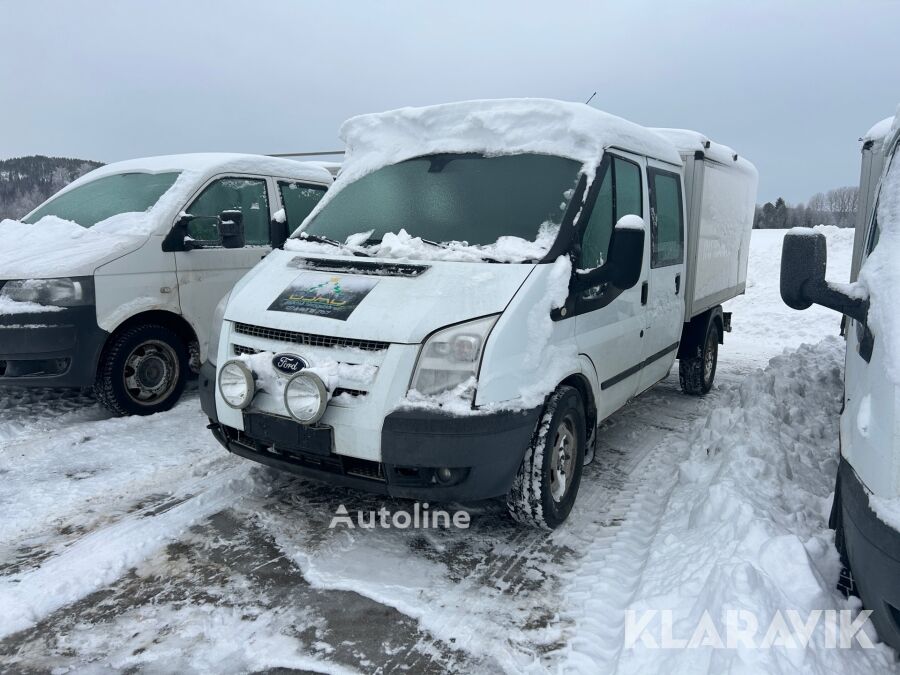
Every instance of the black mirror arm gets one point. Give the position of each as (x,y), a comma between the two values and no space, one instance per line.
(822,293)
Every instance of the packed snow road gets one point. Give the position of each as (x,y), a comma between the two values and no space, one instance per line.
(139,544)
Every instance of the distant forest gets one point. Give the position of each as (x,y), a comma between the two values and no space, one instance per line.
(25,182)
(835,207)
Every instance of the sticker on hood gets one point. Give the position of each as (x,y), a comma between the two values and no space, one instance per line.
(334,296)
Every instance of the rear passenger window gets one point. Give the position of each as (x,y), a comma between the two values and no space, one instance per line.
(666,220)
(620,195)
(298,201)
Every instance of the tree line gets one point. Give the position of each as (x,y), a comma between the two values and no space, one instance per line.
(835,207)
(25,182)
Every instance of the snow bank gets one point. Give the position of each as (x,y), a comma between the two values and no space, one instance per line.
(880,274)
(743,526)
(53,247)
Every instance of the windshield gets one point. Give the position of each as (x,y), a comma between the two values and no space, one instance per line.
(453,198)
(100,199)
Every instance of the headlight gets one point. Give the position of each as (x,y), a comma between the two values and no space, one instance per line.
(62,292)
(305,397)
(215,330)
(236,384)
(451,356)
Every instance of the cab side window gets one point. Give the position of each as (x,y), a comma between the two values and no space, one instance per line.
(666,218)
(298,200)
(620,195)
(247,195)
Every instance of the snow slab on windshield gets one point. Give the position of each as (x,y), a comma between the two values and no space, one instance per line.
(490,127)
(880,274)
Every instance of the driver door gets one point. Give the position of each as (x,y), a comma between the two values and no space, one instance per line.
(611,334)
(208,272)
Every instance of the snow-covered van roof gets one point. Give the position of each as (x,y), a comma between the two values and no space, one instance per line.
(879,130)
(495,127)
(212,163)
(689,142)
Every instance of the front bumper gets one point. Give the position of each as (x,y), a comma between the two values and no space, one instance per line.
(425,455)
(51,349)
(872,548)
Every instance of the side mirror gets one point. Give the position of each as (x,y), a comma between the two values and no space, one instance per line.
(178,239)
(231,228)
(804,257)
(278,229)
(625,262)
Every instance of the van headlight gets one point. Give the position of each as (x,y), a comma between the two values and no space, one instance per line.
(236,384)
(61,292)
(451,356)
(215,329)
(305,397)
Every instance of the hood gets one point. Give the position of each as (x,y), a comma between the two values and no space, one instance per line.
(53,247)
(371,298)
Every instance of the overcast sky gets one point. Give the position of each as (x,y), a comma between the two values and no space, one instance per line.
(790,85)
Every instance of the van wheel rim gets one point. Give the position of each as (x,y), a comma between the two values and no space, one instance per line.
(562,458)
(151,372)
(709,357)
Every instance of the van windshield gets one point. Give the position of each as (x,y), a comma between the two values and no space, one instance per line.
(105,197)
(453,198)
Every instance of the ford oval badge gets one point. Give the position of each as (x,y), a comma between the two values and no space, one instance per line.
(288,363)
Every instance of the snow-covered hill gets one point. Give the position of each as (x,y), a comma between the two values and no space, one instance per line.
(140,544)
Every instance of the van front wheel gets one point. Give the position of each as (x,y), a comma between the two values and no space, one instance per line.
(546,485)
(143,371)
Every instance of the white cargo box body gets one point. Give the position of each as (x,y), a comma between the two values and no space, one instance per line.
(720,200)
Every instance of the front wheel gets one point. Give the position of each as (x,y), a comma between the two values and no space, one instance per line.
(143,371)
(696,374)
(546,485)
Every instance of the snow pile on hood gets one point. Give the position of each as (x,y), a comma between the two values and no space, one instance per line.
(404,246)
(880,274)
(744,528)
(53,247)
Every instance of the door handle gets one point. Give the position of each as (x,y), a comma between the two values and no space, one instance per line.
(677,283)
(645,288)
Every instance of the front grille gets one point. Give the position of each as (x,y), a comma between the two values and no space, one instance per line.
(308,339)
(240,350)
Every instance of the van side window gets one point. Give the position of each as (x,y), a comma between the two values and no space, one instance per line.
(595,243)
(247,195)
(666,219)
(298,201)
(620,195)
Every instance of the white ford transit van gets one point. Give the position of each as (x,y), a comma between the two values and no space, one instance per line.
(112,282)
(866,508)
(484,284)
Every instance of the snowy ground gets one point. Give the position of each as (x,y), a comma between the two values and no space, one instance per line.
(140,545)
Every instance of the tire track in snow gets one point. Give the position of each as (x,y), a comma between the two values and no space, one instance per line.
(618,542)
(96,560)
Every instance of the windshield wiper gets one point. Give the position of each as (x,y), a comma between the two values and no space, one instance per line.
(319,239)
(438,244)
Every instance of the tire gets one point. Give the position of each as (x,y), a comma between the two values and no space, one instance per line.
(142,371)
(538,496)
(697,373)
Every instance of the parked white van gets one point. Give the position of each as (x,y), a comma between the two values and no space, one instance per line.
(866,509)
(485,283)
(112,282)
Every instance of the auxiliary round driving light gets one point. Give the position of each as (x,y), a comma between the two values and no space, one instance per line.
(236,384)
(305,397)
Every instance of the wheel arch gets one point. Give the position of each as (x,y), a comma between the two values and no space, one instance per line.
(693,333)
(174,322)
(581,384)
